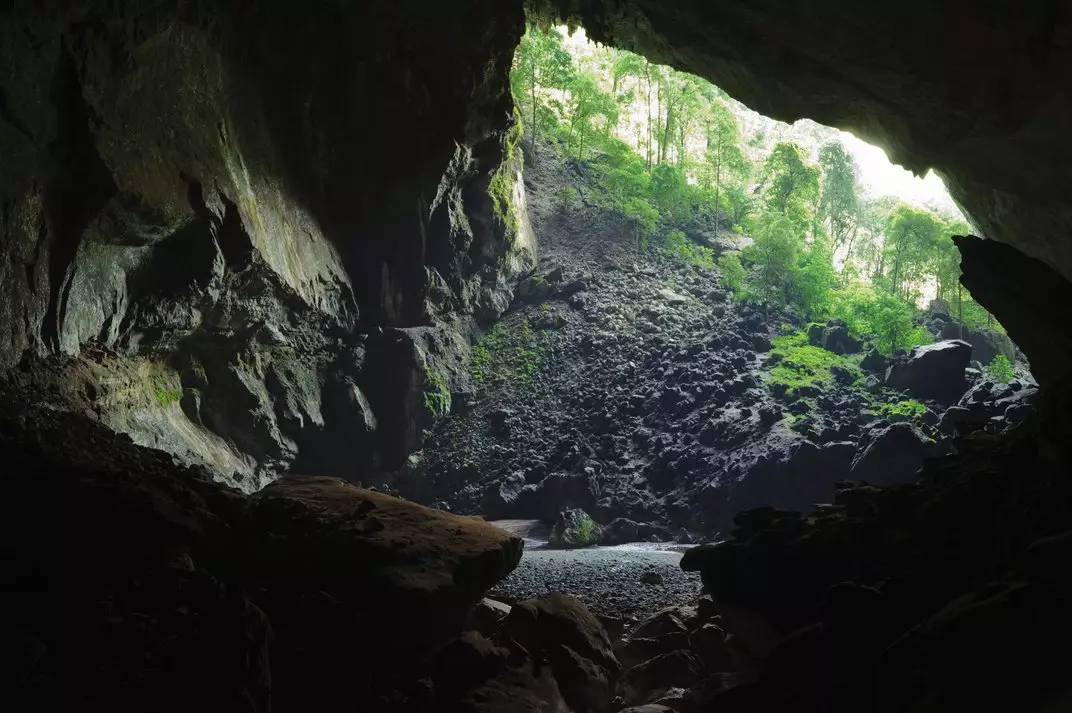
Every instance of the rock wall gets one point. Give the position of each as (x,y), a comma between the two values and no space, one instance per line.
(255,234)
(979,91)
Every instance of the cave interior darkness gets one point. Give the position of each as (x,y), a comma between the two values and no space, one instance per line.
(246,239)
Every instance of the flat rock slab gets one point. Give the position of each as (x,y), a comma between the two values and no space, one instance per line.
(408,567)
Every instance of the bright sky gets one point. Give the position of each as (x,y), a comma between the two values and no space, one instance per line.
(880,177)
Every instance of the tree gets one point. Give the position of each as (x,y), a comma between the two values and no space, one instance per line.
(732,271)
(814,278)
(586,101)
(910,246)
(669,190)
(724,155)
(774,254)
(791,184)
(540,63)
(839,204)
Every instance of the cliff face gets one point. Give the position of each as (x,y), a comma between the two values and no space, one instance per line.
(254,234)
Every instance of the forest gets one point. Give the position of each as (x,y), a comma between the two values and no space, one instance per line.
(668,152)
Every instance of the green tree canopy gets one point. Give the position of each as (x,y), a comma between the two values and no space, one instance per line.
(791,184)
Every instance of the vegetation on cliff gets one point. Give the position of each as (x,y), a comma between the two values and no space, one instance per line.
(794,229)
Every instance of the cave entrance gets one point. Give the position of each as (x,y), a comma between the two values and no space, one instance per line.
(728,312)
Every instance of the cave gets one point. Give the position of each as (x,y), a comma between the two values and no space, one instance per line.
(252,253)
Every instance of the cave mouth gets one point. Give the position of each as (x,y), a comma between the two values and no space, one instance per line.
(885,511)
(727,312)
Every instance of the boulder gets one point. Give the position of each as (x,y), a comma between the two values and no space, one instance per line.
(533,289)
(486,616)
(622,531)
(411,572)
(833,336)
(678,669)
(637,650)
(574,528)
(500,498)
(893,455)
(986,343)
(555,493)
(559,629)
(529,686)
(932,371)
(874,362)
(467,660)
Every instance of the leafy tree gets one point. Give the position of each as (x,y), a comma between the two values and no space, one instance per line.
(910,248)
(732,271)
(839,204)
(814,278)
(774,254)
(541,63)
(791,184)
(724,157)
(669,190)
(586,101)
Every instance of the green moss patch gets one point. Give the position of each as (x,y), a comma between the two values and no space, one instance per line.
(436,395)
(511,352)
(798,367)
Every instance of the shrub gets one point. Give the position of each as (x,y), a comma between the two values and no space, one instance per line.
(774,253)
(684,250)
(908,409)
(732,271)
(1000,369)
(799,364)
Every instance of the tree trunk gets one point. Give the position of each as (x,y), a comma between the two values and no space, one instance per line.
(659,112)
(718,180)
(647,76)
(535,123)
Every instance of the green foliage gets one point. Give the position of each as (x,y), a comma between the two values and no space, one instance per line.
(626,185)
(166,397)
(542,65)
(669,190)
(166,391)
(677,245)
(679,157)
(586,530)
(507,353)
(732,271)
(791,184)
(569,197)
(436,396)
(839,204)
(879,316)
(797,364)
(814,279)
(774,254)
(1000,369)
(909,409)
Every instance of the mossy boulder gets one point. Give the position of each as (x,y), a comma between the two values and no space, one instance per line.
(575,528)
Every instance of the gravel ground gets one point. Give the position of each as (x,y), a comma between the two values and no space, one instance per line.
(607,579)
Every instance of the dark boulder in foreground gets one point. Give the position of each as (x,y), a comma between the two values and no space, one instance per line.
(932,371)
